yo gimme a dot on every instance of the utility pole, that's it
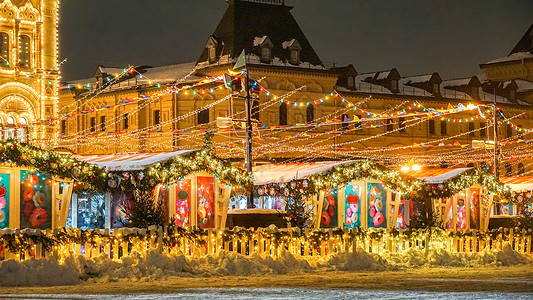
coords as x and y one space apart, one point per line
248 133
496 148
496 143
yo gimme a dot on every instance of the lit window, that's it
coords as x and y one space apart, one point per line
436 88
63 127
4 49
24 52
10 121
22 121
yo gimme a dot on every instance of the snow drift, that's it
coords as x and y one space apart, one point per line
153 265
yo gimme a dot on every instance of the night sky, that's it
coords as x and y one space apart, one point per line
451 37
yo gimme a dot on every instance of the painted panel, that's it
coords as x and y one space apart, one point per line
36 202
329 216
119 203
352 206
91 211
183 203
205 196
4 200
377 205
475 208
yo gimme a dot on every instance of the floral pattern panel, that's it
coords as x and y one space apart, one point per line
36 202
377 205
4 201
206 202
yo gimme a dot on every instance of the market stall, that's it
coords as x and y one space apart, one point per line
344 194
186 182
462 197
521 196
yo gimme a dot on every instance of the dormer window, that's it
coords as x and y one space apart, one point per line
394 84
512 94
212 46
475 91
212 54
294 48
266 54
295 57
351 81
264 45
436 88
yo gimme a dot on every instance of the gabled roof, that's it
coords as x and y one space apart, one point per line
526 42
523 85
436 176
130 162
245 21
281 173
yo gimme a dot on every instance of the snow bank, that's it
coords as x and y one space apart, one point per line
152 265
416 258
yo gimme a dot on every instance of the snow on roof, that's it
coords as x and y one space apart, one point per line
524 85
512 57
436 176
278 173
456 82
364 77
366 87
259 40
110 71
287 44
130 162
383 75
518 184
416 79
453 94
414 91
170 73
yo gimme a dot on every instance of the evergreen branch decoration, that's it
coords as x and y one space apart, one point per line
92 177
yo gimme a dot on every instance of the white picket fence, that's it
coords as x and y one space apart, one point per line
270 241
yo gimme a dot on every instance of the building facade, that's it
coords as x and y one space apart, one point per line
307 110
29 75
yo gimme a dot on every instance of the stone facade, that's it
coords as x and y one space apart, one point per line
29 76
283 60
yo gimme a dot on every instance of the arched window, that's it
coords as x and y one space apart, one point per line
283 114
310 113
255 110
508 170
4 50
203 116
520 169
24 52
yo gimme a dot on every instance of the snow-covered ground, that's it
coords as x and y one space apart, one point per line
152 265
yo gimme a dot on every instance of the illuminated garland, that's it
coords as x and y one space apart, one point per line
467 179
342 175
92 177
17 242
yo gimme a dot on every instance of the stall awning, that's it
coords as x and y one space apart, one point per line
130 162
436 176
519 183
278 173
